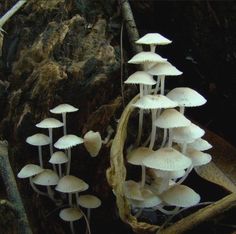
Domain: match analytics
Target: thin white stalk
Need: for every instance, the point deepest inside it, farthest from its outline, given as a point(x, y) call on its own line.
point(189, 169)
point(50, 193)
point(170, 139)
point(11, 12)
point(167, 212)
point(69, 161)
point(40, 156)
point(182, 109)
point(51, 147)
point(157, 87)
point(164, 138)
point(36, 189)
point(60, 170)
point(72, 227)
point(162, 84)
point(64, 122)
point(70, 199)
point(153, 132)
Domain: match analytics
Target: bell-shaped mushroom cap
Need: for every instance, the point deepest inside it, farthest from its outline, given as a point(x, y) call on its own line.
point(167, 174)
point(180, 195)
point(164, 69)
point(153, 39)
point(70, 214)
point(167, 159)
point(140, 77)
point(200, 144)
point(171, 118)
point(137, 155)
point(49, 123)
point(46, 178)
point(38, 139)
point(68, 141)
point(132, 190)
point(198, 158)
point(185, 96)
point(157, 101)
point(63, 108)
point(149, 200)
point(89, 201)
point(71, 184)
point(93, 142)
point(29, 170)
point(187, 134)
point(58, 157)
point(146, 57)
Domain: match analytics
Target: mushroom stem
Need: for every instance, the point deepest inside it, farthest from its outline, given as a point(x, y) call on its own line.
point(72, 227)
point(51, 146)
point(35, 188)
point(60, 170)
point(170, 139)
point(162, 84)
point(153, 132)
point(167, 212)
point(157, 87)
point(70, 199)
point(40, 156)
point(189, 169)
point(85, 217)
point(143, 176)
point(50, 192)
point(64, 122)
point(183, 148)
point(69, 161)
point(182, 109)
point(164, 138)
point(153, 48)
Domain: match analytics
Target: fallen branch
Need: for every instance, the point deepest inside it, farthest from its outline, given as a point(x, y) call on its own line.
point(13, 194)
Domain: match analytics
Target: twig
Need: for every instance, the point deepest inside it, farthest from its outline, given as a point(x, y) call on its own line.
point(12, 191)
point(130, 25)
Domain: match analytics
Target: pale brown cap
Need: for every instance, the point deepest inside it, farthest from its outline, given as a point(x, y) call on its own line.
point(93, 142)
point(140, 77)
point(71, 184)
point(29, 170)
point(49, 123)
point(200, 144)
point(68, 141)
point(164, 69)
point(46, 178)
point(58, 157)
point(63, 108)
point(70, 214)
point(198, 158)
point(132, 190)
point(89, 201)
point(38, 139)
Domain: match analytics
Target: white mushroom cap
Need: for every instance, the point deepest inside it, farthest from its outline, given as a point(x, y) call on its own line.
point(140, 77)
point(149, 200)
point(49, 123)
point(58, 157)
point(70, 214)
point(146, 57)
point(167, 159)
point(153, 39)
point(185, 96)
point(180, 195)
point(71, 184)
point(137, 155)
point(29, 170)
point(187, 134)
point(198, 158)
point(68, 141)
point(89, 201)
point(200, 144)
point(165, 69)
point(171, 118)
point(46, 178)
point(167, 174)
point(63, 108)
point(154, 102)
point(93, 142)
point(38, 139)
point(132, 190)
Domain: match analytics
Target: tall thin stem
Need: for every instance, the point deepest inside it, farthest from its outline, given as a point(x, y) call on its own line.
point(36, 189)
point(72, 227)
point(162, 84)
point(40, 156)
point(64, 122)
point(69, 161)
point(153, 132)
point(143, 176)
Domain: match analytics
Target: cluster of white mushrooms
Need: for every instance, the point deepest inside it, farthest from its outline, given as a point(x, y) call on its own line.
point(167, 162)
point(59, 178)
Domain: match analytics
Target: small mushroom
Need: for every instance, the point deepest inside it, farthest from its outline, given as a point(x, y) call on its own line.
point(63, 109)
point(93, 142)
point(39, 140)
point(59, 158)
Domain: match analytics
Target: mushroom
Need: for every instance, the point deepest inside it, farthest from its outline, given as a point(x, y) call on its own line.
point(144, 80)
point(93, 142)
point(154, 102)
point(67, 142)
point(136, 157)
point(71, 215)
point(39, 140)
point(200, 144)
point(89, 202)
point(28, 171)
point(186, 97)
point(50, 123)
point(70, 184)
point(162, 70)
point(47, 178)
point(153, 39)
point(59, 158)
point(63, 109)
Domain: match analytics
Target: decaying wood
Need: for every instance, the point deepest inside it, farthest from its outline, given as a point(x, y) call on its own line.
point(202, 215)
point(13, 194)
